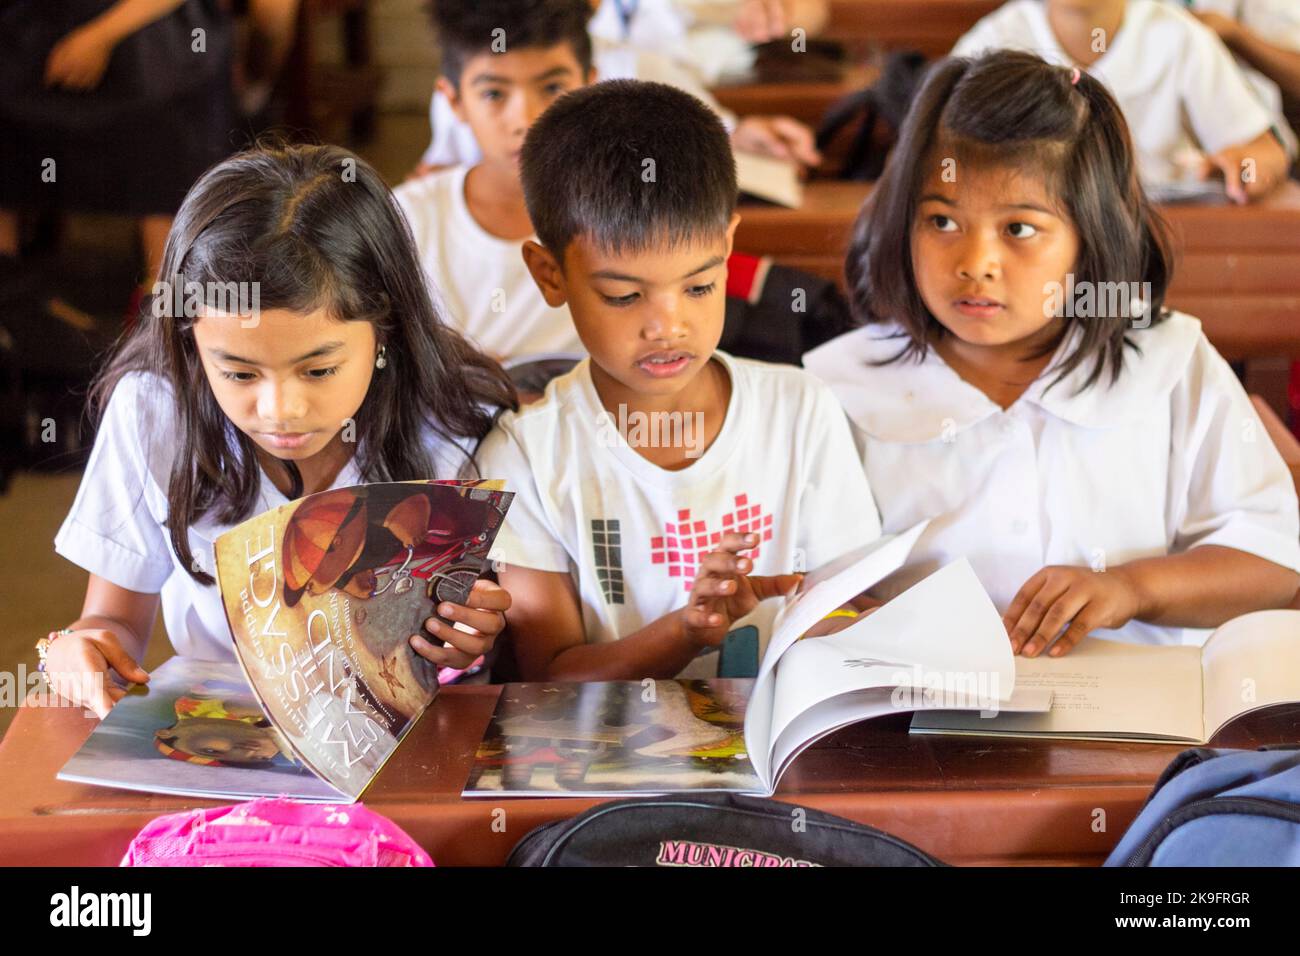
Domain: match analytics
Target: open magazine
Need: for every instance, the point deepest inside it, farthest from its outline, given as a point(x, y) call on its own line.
point(321, 595)
point(1109, 690)
point(940, 643)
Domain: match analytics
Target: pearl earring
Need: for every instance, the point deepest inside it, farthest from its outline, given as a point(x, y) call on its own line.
point(381, 360)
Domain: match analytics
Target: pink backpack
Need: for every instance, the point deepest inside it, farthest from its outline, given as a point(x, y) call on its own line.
point(275, 832)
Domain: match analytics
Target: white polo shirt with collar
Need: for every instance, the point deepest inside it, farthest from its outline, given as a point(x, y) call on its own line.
point(1170, 457)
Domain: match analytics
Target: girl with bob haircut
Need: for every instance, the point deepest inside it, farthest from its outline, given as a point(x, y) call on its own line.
point(340, 373)
point(1018, 380)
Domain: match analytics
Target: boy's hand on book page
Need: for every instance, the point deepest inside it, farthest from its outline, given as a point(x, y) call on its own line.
point(781, 137)
point(482, 619)
point(724, 592)
point(77, 665)
point(760, 21)
point(1080, 597)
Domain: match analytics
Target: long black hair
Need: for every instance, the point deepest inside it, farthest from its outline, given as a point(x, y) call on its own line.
point(315, 228)
point(1011, 109)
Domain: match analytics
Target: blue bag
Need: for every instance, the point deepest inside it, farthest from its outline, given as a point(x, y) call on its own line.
point(1219, 807)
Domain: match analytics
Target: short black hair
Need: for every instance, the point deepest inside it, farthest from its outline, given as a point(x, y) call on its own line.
point(1010, 109)
point(630, 165)
point(467, 28)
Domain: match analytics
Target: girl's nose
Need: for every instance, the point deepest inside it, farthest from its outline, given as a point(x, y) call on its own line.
point(977, 260)
point(281, 404)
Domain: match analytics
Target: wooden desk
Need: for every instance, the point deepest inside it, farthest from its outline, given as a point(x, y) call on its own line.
point(1237, 268)
point(931, 26)
point(965, 800)
point(805, 101)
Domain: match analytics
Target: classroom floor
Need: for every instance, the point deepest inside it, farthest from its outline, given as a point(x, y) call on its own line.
point(39, 590)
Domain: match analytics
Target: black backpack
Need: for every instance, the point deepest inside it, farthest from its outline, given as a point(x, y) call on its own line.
point(711, 830)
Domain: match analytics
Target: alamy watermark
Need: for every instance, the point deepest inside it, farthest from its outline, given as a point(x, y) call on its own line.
point(921, 689)
point(1098, 300)
point(638, 429)
point(181, 299)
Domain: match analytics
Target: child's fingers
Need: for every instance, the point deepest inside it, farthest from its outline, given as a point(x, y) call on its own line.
point(488, 596)
point(724, 564)
point(702, 617)
point(1035, 607)
point(708, 587)
point(1079, 628)
point(118, 659)
point(734, 542)
point(442, 656)
point(774, 585)
point(486, 621)
point(1019, 605)
point(1062, 611)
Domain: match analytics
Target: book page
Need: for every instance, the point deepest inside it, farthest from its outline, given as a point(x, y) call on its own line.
point(1252, 661)
point(776, 180)
point(942, 636)
point(1100, 689)
point(821, 592)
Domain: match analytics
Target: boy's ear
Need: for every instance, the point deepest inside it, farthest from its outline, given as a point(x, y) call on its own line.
point(592, 76)
point(731, 231)
point(448, 89)
point(546, 272)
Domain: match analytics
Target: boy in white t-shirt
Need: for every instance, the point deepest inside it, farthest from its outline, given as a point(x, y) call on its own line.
point(1189, 108)
point(470, 222)
point(663, 489)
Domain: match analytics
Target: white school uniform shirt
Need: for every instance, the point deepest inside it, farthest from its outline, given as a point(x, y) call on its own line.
point(116, 528)
point(1174, 80)
point(453, 142)
point(1171, 457)
point(632, 534)
point(480, 280)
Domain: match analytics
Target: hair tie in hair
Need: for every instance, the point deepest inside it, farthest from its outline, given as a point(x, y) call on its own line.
point(1074, 76)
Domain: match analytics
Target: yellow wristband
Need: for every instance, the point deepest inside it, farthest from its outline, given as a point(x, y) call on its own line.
point(840, 612)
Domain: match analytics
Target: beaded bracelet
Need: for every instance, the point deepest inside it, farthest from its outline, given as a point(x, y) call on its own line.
point(43, 645)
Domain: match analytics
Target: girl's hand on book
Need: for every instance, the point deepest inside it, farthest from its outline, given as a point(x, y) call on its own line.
point(484, 616)
point(1080, 597)
point(724, 592)
point(77, 666)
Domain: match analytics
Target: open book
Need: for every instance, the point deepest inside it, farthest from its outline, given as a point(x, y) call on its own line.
point(1109, 690)
point(940, 643)
point(321, 595)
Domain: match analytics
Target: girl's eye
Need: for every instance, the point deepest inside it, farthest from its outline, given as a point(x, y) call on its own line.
point(238, 376)
point(621, 300)
point(942, 223)
point(1021, 230)
point(700, 291)
point(323, 372)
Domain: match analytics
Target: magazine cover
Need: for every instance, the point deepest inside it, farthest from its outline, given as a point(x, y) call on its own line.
point(195, 730)
point(626, 737)
point(322, 595)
